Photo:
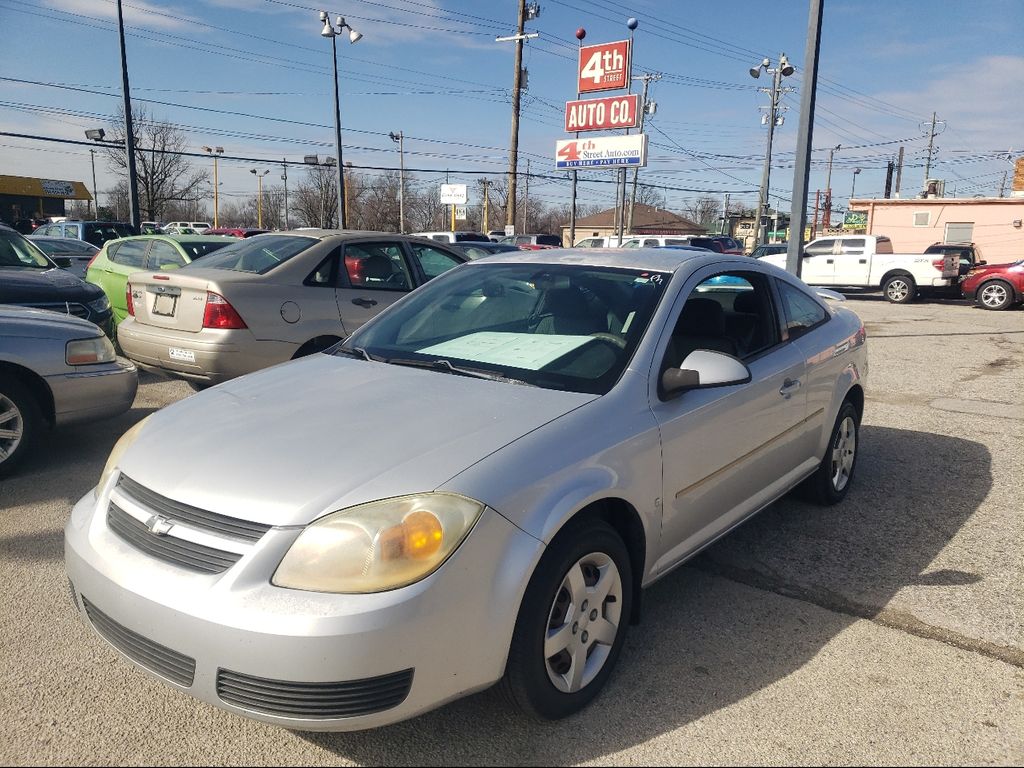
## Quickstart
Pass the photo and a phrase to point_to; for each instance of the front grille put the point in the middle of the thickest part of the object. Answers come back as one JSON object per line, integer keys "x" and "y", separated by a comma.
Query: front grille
{"x": 175, "y": 666}
{"x": 65, "y": 307}
{"x": 314, "y": 700}
{"x": 170, "y": 549}
{"x": 193, "y": 517}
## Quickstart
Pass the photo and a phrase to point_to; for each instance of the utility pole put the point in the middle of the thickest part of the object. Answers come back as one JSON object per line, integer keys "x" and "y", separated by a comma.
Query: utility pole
{"x": 784, "y": 68}
{"x": 526, "y": 200}
{"x": 485, "y": 227}
{"x": 899, "y": 171}
{"x": 827, "y": 222}
{"x": 513, "y": 151}
{"x": 890, "y": 167}
{"x": 96, "y": 200}
{"x": 814, "y": 225}
{"x": 129, "y": 130}
{"x": 284, "y": 178}
{"x": 725, "y": 215}
{"x": 931, "y": 143}
{"x": 644, "y": 107}
{"x": 802, "y": 164}
{"x": 1002, "y": 184}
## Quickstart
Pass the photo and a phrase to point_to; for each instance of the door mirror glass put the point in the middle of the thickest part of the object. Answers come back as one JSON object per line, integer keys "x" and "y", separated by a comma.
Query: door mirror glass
{"x": 62, "y": 261}
{"x": 703, "y": 368}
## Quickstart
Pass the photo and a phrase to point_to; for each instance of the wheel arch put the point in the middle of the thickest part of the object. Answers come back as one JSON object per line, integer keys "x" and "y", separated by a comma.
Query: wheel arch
{"x": 1016, "y": 294}
{"x": 35, "y": 384}
{"x": 897, "y": 272}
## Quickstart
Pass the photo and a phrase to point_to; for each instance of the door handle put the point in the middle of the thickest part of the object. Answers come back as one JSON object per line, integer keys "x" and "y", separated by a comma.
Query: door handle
{"x": 863, "y": 261}
{"x": 789, "y": 386}
{"x": 366, "y": 303}
{"x": 830, "y": 261}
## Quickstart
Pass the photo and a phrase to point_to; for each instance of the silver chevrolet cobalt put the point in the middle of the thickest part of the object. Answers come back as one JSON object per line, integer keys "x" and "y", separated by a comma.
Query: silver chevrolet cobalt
{"x": 472, "y": 488}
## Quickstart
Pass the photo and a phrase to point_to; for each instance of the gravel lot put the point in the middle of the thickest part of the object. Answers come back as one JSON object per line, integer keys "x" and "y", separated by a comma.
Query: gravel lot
{"x": 885, "y": 630}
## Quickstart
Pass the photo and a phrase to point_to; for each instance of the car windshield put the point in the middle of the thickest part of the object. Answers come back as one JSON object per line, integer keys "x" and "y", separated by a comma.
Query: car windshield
{"x": 565, "y": 327}
{"x": 17, "y": 251}
{"x": 258, "y": 254}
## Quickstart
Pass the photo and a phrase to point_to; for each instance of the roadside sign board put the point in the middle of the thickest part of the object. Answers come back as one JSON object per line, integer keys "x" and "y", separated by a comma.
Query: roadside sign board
{"x": 855, "y": 220}
{"x": 604, "y": 67}
{"x": 453, "y": 194}
{"x": 602, "y": 152}
{"x": 509, "y": 230}
{"x": 461, "y": 213}
{"x": 601, "y": 114}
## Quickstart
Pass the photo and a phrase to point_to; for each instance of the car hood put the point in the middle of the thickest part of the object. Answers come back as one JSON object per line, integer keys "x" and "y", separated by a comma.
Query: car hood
{"x": 42, "y": 324}
{"x": 23, "y": 286}
{"x": 286, "y": 445}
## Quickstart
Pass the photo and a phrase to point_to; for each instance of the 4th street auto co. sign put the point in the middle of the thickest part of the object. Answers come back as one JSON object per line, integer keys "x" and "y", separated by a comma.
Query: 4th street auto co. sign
{"x": 601, "y": 114}
{"x": 602, "y": 152}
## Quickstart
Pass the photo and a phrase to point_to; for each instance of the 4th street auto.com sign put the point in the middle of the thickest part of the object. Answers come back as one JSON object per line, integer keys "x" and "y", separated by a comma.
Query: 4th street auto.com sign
{"x": 602, "y": 152}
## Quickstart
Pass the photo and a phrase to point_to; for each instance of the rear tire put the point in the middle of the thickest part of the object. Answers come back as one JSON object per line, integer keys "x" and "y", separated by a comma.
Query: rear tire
{"x": 572, "y": 622}
{"x": 995, "y": 294}
{"x": 831, "y": 481}
{"x": 900, "y": 289}
{"x": 20, "y": 422}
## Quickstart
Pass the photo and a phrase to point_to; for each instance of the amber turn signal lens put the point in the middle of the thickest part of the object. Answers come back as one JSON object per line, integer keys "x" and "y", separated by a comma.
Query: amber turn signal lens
{"x": 418, "y": 536}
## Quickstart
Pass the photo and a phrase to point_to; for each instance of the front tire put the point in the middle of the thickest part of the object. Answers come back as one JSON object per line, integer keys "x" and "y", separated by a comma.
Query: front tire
{"x": 572, "y": 622}
{"x": 900, "y": 289}
{"x": 995, "y": 294}
{"x": 20, "y": 422}
{"x": 831, "y": 482}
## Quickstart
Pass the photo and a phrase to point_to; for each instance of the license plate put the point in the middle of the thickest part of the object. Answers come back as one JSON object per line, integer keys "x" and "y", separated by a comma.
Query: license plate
{"x": 164, "y": 305}
{"x": 184, "y": 355}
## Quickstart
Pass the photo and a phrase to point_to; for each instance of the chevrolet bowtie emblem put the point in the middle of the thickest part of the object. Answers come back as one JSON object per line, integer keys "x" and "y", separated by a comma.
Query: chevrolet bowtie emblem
{"x": 159, "y": 525}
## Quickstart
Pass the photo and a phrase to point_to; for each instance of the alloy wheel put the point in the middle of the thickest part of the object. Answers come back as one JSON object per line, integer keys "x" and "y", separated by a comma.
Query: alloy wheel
{"x": 993, "y": 295}
{"x": 583, "y": 622}
{"x": 844, "y": 450}
{"x": 898, "y": 290}
{"x": 12, "y": 427}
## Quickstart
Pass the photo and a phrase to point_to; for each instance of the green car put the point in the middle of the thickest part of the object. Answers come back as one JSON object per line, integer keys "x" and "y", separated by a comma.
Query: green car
{"x": 120, "y": 258}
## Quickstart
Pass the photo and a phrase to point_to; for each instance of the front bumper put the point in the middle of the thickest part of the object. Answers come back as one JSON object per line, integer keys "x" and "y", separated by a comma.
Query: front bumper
{"x": 219, "y": 355}
{"x": 93, "y": 391}
{"x": 439, "y": 639}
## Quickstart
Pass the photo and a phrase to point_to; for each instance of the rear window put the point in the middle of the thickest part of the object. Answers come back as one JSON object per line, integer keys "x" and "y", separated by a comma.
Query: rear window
{"x": 98, "y": 234}
{"x": 198, "y": 250}
{"x": 461, "y": 237}
{"x": 549, "y": 240}
{"x": 257, "y": 255}
{"x": 883, "y": 245}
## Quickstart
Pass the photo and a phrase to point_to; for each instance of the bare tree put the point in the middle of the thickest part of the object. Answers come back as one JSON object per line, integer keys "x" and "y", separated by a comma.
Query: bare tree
{"x": 164, "y": 174}
{"x": 648, "y": 195}
{"x": 704, "y": 210}
{"x": 315, "y": 200}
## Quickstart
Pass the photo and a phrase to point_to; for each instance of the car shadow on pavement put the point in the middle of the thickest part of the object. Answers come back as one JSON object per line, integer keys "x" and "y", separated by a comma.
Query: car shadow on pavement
{"x": 66, "y": 462}
{"x": 707, "y": 641}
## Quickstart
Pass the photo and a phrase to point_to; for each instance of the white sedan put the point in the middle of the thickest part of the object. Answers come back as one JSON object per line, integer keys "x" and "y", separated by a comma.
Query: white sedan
{"x": 474, "y": 487}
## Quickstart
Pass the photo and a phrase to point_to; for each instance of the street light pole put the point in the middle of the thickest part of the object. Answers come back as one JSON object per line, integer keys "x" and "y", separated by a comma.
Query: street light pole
{"x": 854, "y": 186}
{"x": 259, "y": 195}
{"x": 400, "y": 139}
{"x": 784, "y": 69}
{"x": 95, "y": 199}
{"x": 129, "y": 131}
{"x": 333, "y": 32}
{"x": 216, "y": 185}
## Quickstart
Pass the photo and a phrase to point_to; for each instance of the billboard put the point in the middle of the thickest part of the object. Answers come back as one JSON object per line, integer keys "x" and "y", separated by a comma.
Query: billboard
{"x": 453, "y": 194}
{"x": 602, "y": 152}
{"x": 604, "y": 67}
{"x": 601, "y": 114}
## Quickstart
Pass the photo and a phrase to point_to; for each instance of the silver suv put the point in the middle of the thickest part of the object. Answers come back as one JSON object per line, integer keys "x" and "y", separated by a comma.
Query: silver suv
{"x": 95, "y": 232}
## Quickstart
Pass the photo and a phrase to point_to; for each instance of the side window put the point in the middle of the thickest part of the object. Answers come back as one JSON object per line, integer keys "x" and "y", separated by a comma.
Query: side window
{"x": 326, "y": 275}
{"x": 731, "y": 313}
{"x": 821, "y": 247}
{"x": 675, "y": 241}
{"x": 163, "y": 254}
{"x": 523, "y": 240}
{"x": 377, "y": 265}
{"x": 432, "y": 261}
{"x": 802, "y": 312}
{"x": 852, "y": 245}
{"x": 130, "y": 253}
{"x": 70, "y": 230}
{"x": 440, "y": 238}
{"x": 883, "y": 245}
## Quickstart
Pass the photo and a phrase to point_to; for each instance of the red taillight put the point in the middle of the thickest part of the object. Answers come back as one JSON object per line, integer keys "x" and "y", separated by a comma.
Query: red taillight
{"x": 939, "y": 264}
{"x": 128, "y": 302}
{"x": 220, "y": 314}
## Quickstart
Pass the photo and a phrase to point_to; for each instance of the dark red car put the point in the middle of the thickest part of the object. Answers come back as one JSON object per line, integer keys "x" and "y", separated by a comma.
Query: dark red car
{"x": 235, "y": 231}
{"x": 729, "y": 244}
{"x": 995, "y": 286}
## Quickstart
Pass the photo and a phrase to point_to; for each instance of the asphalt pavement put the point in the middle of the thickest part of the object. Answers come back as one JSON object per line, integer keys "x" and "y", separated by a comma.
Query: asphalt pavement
{"x": 887, "y": 629}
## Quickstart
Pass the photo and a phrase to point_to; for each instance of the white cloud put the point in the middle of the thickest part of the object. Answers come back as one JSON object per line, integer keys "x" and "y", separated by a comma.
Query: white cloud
{"x": 136, "y": 12}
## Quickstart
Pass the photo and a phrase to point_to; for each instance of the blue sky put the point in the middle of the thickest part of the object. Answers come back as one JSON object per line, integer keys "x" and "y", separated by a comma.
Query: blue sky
{"x": 432, "y": 69}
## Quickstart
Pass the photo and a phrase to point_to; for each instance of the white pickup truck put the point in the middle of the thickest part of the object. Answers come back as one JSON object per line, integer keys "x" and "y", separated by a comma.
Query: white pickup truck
{"x": 868, "y": 261}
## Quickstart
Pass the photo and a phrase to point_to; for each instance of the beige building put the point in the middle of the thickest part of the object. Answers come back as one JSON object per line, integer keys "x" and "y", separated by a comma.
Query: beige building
{"x": 647, "y": 220}
{"x": 994, "y": 224}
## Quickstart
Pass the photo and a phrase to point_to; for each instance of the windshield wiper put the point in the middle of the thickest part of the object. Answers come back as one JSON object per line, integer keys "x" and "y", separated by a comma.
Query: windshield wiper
{"x": 445, "y": 366}
{"x": 358, "y": 352}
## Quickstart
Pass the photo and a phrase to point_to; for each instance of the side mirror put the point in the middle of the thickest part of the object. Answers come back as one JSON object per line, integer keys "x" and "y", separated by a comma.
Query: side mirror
{"x": 807, "y": 255}
{"x": 703, "y": 368}
{"x": 62, "y": 261}
{"x": 980, "y": 263}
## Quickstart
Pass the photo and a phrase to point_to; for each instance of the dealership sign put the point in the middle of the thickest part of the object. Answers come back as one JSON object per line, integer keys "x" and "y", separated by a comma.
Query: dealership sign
{"x": 601, "y": 114}
{"x": 602, "y": 152}
{"x": 604, "y": 67}
{"x": 453, "y": 194}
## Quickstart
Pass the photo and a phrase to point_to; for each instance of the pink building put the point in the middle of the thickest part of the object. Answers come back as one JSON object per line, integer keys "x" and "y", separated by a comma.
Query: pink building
{"x": 994, "y": 224}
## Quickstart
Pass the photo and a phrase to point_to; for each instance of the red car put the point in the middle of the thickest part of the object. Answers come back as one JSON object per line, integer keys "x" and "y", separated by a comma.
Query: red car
{"x": 235, "y": 231}
{"x": 995, "y": 286}
{"x": 729, "y": 244}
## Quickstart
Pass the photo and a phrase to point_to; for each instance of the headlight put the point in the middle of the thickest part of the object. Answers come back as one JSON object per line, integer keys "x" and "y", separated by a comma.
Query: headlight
{"x": 120, "y": 447}
{"x": 102, "y": 304}
{"x": 89, "y": 351}
{"x": 378, "y": 546}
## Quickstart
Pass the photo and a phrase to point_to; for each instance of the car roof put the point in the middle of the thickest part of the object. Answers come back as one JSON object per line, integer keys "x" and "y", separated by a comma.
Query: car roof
{"x": 652, "y": 259}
